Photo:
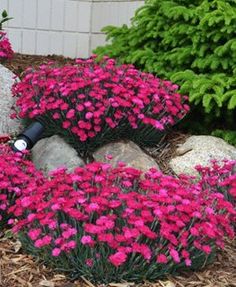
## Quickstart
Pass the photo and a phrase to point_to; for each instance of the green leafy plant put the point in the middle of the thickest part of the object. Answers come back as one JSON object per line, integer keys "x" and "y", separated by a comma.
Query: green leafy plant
{"x": 227, "y": 135}
{"x": 192, "y": 43}
{"x": 4, "y": 18}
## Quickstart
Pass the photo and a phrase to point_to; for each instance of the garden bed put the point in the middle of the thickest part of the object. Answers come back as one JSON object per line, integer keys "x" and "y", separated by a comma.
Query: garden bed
{"x": 18, "y": 269}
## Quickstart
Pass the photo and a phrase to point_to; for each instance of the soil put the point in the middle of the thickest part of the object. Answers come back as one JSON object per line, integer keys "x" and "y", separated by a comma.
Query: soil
{"x": 20, "y": 270}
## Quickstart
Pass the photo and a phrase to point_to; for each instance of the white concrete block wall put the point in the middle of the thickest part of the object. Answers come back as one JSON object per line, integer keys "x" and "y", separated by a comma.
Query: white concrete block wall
{"x": 63, "y": 27}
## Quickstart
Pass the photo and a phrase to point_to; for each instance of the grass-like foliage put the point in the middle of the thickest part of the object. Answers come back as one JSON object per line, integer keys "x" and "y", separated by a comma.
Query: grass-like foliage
{"x": 16, "y": 173}
{"x": 113, "y": 224}
{"x": 190, "y": 42}
{"x": 90, "y": 104}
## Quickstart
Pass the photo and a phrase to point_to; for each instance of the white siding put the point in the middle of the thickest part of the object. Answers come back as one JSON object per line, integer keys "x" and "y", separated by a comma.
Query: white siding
{"x": 63, "y": 27}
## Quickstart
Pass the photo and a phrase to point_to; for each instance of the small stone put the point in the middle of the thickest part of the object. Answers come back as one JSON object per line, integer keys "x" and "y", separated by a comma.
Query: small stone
{"x": 200, "y": 150}
{"x": 127, "y": 152}
{"x": 52, "y": 153}
{"x": 7, "y": 125}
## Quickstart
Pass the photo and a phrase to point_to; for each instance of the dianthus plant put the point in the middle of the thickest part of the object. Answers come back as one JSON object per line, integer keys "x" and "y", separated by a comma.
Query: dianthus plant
{"x": 6, "y": 51}
{"x": 220, "y": 176}
{"x": 92, "y": 103}
{"x": 15, "y": 174}
{"x": 113, "y": 224}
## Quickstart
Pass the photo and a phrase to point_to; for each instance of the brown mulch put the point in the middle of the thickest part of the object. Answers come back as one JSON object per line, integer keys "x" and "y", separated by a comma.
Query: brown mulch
{"x": 20, "y": 62}
{"x": 165, "y": 150}
{"x": 20, "y": 270}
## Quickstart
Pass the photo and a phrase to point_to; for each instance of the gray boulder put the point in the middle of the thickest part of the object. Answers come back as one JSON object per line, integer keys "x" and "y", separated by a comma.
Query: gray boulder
{"x": 7, "y": 125}
{"x": 127, "y": 152}
{"x": 51, "y": 153}
{"x": 200, "y": 150}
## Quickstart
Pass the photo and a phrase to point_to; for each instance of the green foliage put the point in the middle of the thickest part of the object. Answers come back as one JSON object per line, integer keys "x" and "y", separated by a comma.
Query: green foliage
{"x": 227, "y": 135}
{"x": 4, "y": 18}
{"x": 193, "y": 43}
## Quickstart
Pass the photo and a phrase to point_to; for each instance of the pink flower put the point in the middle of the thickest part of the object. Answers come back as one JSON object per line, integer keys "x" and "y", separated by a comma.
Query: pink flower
{"x": 188, "y": 262}
{"x": 56, "y": 252}
{"x": 31, "y": 217}
{"x": 25, "y": 201}
{"x": 70, "y": 114}
{"x": 69, "y": 232}
{"x": 87, "y": 239}
{"x": 56, "y": 116}
{"x": 118, "y": 258}
{"x": 142, "y": 249}
{"x": 38, "y": 243}
{"x": 89, "y": 262}
{"x": 66, "y": 124}
{"x": 92, "y": 207}
{"x": 46, "y": 240}
{"x": 161, "y": 258}
{"x": 88, "y": 115}
{"x": 71, "y": 244}
{"x": 206, "y": 249}
{"x": 175, "y": 255}
{"x": 194, "y": 231}
{"x": 34, "y": 233}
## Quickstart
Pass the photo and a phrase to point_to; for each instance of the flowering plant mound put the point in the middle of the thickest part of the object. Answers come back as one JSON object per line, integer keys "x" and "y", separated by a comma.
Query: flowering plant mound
{"x": 91, "y": 104}
{"x": 6, "y": 51}
{"x": 15, "y": 174}
{"x": 112, "y": 224}
{"x": 221, "y": 177}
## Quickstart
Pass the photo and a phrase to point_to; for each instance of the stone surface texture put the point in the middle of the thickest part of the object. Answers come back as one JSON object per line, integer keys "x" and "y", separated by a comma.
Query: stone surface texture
{"x": 200, "y": 150}
{"x": 7, "y": 125}
{"x": 52, "y": 153}
{"x": 127, "y": 152}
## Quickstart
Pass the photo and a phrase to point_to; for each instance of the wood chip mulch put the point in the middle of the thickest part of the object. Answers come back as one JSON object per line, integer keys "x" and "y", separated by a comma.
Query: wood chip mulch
{"x": 20, "y": 270}
{"x": 165, "y": 150}
{"x": 20, "y": 62}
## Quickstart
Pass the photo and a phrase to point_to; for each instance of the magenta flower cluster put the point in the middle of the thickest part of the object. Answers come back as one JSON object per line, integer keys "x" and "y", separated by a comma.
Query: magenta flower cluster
{"x": 15, "y": 174}
{"x": 120, "y": 217}
{"x": 218, "y": 177}
{"x": 6, "y": 51}
{"x": 89, "y": 99}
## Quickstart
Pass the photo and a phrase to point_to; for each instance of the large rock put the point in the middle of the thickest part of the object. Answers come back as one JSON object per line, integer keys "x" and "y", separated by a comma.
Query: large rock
{"x": 51, "y": 153}
{"x": 200, "y": 150}
{"x": 7, "y": 125}
{"x": 126, "y": 152}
